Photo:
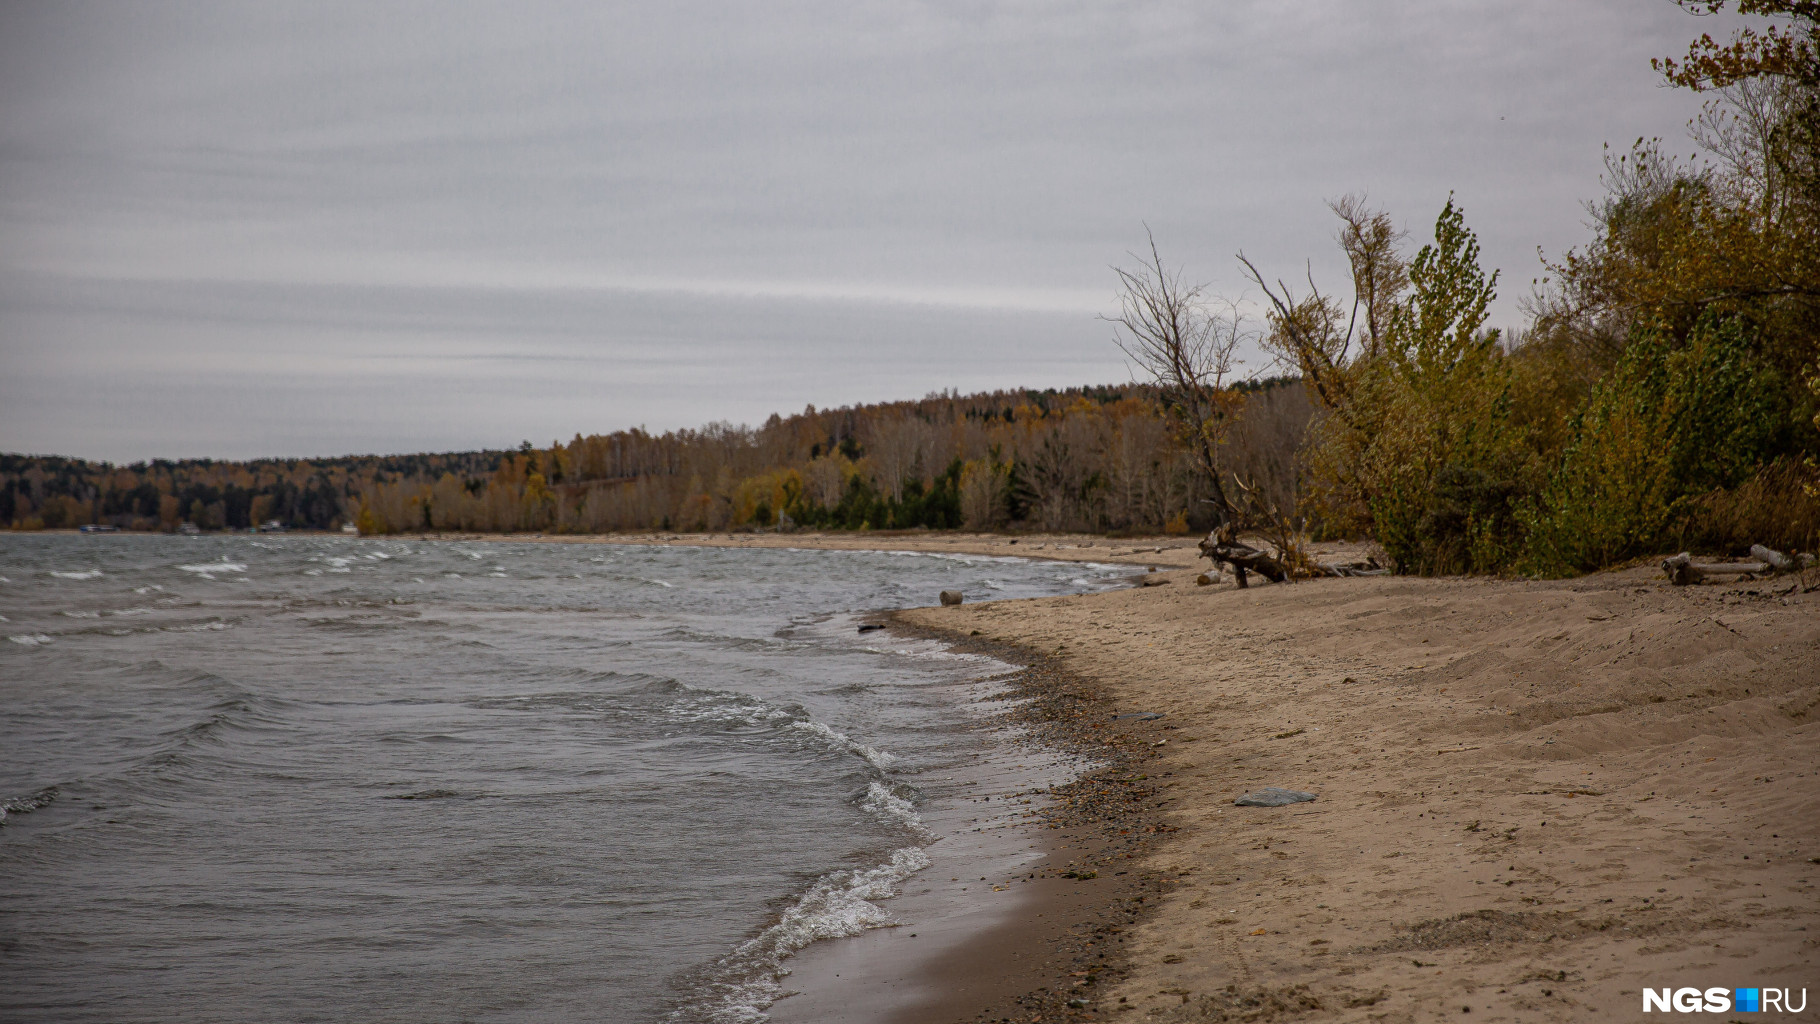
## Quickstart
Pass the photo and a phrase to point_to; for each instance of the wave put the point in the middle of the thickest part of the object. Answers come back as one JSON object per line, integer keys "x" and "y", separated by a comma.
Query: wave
{"x": 880, "y": 800}
{"x": 727, "y": 707}
{"x": 28, "y": 803}
{"x": 207, "y": 570}
{"x": 31, "y": 639}
{"x": 82, "y": 574}
{"x": 875, "y": 757}
{"x": 841, "y": 904}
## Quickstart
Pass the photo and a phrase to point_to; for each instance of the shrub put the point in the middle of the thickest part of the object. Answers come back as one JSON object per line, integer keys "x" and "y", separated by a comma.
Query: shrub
{"x": 1668, "y": 424}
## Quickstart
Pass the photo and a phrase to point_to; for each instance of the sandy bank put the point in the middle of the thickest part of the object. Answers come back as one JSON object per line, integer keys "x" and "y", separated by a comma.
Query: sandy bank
{"x": 1534, "y": 798}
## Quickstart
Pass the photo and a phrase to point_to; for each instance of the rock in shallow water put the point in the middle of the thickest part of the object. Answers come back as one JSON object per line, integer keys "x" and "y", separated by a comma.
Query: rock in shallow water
{"x": 1270, "y": 796}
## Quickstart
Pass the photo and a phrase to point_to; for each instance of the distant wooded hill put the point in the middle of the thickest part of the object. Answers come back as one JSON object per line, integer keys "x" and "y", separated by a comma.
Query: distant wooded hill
{"x": 1091, "y": 458}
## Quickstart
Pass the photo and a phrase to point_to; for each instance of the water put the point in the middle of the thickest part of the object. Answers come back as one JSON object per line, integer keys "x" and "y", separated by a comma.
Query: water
{"x": 317, "y": 778}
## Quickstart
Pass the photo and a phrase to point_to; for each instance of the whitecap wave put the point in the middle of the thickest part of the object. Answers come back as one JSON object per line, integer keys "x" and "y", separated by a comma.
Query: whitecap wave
{"x": 839, "y": 905}
{"x": 30, "y": 639}
{"x": 881, "y": 801}
{"x": 208, "y": 570}
{"x": 29, "y": 803}
{"x": 198, "y": 627}
{"x": 875, "y": 757}
{"x": 723, "y": 706}
{"x": 81, "y": 574}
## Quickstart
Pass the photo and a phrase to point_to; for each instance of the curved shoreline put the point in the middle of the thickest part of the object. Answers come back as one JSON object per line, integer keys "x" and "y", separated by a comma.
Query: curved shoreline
{"x": 1517, "y": 781}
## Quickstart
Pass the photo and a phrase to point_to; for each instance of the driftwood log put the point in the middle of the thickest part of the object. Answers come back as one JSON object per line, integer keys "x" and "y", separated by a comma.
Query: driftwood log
{"x": 1683, "y": 570}
{"x": 1244, "y": 559}
{"x": 1221, "y": 546}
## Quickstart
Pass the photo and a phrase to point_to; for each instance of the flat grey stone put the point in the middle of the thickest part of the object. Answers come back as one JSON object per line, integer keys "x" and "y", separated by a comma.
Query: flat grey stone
{"x": 1270, "y": 796}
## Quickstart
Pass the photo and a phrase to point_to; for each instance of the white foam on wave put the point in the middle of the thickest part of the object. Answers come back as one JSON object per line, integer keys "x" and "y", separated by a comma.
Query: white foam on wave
{"x": 30, "y": 639}
{"x": 198, "y": 627}
{"x": 879, "y": 800}
{"x": 660, "y": 583}
{"x": 208, "y": 570}
{"x": 723, "y": 706}
{"x": 877, "y": 758}
{"x": 81, "y": 574}
{"x": 841, "y": 904}
{"x": 80, "y": 615}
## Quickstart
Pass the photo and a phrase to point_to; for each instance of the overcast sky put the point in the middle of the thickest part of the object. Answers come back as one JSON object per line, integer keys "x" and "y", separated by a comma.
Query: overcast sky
{"x": 240, "y": 229}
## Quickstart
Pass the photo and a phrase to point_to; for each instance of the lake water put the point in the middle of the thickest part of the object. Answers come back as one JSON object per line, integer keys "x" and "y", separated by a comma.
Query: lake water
{"x": 319, "y": 778}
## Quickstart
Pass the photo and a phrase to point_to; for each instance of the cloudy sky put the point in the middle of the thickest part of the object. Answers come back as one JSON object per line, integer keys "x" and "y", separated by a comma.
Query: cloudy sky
{"x": 242, "y": 229}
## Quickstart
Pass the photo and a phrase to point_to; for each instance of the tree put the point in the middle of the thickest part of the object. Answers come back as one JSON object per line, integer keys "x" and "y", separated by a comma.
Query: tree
{"x": 1186, "y": 347}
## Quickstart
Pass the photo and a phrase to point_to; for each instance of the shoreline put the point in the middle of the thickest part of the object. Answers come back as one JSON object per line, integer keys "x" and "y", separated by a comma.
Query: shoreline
{"x": 1533, "y": 798}
{"x": 1054, "y": 935}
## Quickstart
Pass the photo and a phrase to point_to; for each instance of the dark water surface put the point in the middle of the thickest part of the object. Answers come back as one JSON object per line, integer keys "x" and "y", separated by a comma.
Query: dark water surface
{"x": 318, "y": 778}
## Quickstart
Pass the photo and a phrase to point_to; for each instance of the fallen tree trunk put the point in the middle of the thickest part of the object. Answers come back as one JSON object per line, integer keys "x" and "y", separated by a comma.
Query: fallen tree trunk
{"x": 1243, "y": 558}
{"x": 1779, "y": 562}
{"x": 1220, "y": 546}
{"x": 1683, "y": 570}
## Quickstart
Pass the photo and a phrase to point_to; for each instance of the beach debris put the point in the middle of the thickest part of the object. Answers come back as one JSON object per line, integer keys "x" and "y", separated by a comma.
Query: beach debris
{"x": 1208, "y": 579}
{"x": 1223, "y": 546}
{"x": 1682, "y": 570}
{"x": 951, "y": 597}
{"x": 867, "y": 627}
{"x": 1271, "y": 796}
{"x": 1155, "y": 579}
{"x": 1145, "y": 716}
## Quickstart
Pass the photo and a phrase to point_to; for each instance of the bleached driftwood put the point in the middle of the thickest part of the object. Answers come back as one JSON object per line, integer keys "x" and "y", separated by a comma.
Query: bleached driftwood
{"x": 1683, "y": 570}
{"x": 1779, "y": 562}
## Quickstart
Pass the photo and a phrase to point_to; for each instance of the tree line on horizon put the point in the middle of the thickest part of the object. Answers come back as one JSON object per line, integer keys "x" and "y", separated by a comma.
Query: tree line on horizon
{"x": 1094, "y": 459}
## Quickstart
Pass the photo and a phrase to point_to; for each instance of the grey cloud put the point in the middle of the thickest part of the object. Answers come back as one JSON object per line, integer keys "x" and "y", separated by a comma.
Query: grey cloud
{"x": 399, "y": 182}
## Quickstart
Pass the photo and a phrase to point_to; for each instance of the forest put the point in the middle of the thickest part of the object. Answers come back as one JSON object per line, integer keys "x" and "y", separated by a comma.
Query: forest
{"x": 1662, "y": 393}
{"x": 1089, "y": 459}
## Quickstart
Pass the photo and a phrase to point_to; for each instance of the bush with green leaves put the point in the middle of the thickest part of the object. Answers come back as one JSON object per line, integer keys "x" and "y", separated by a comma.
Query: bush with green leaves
{"x": 1667, "y": 425}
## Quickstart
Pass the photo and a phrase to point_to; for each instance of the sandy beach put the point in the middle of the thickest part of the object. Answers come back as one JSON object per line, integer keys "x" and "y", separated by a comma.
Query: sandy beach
{"x": 1534, "y": 799}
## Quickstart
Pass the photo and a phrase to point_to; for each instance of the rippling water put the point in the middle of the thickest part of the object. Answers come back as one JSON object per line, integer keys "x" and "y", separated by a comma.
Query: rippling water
{"x": 317, "y": 778}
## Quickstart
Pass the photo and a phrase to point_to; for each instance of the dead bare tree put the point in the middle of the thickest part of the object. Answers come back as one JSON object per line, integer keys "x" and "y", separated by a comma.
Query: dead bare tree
{"x": 1306, "y": 332}
{"x": 1176, "y": 337}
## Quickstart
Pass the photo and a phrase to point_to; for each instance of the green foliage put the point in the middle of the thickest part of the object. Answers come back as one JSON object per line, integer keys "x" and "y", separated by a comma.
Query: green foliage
{"x": 1425, "y": 449}
{"x": 936, "y": 505}
{"x": 1668, "y": 424}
